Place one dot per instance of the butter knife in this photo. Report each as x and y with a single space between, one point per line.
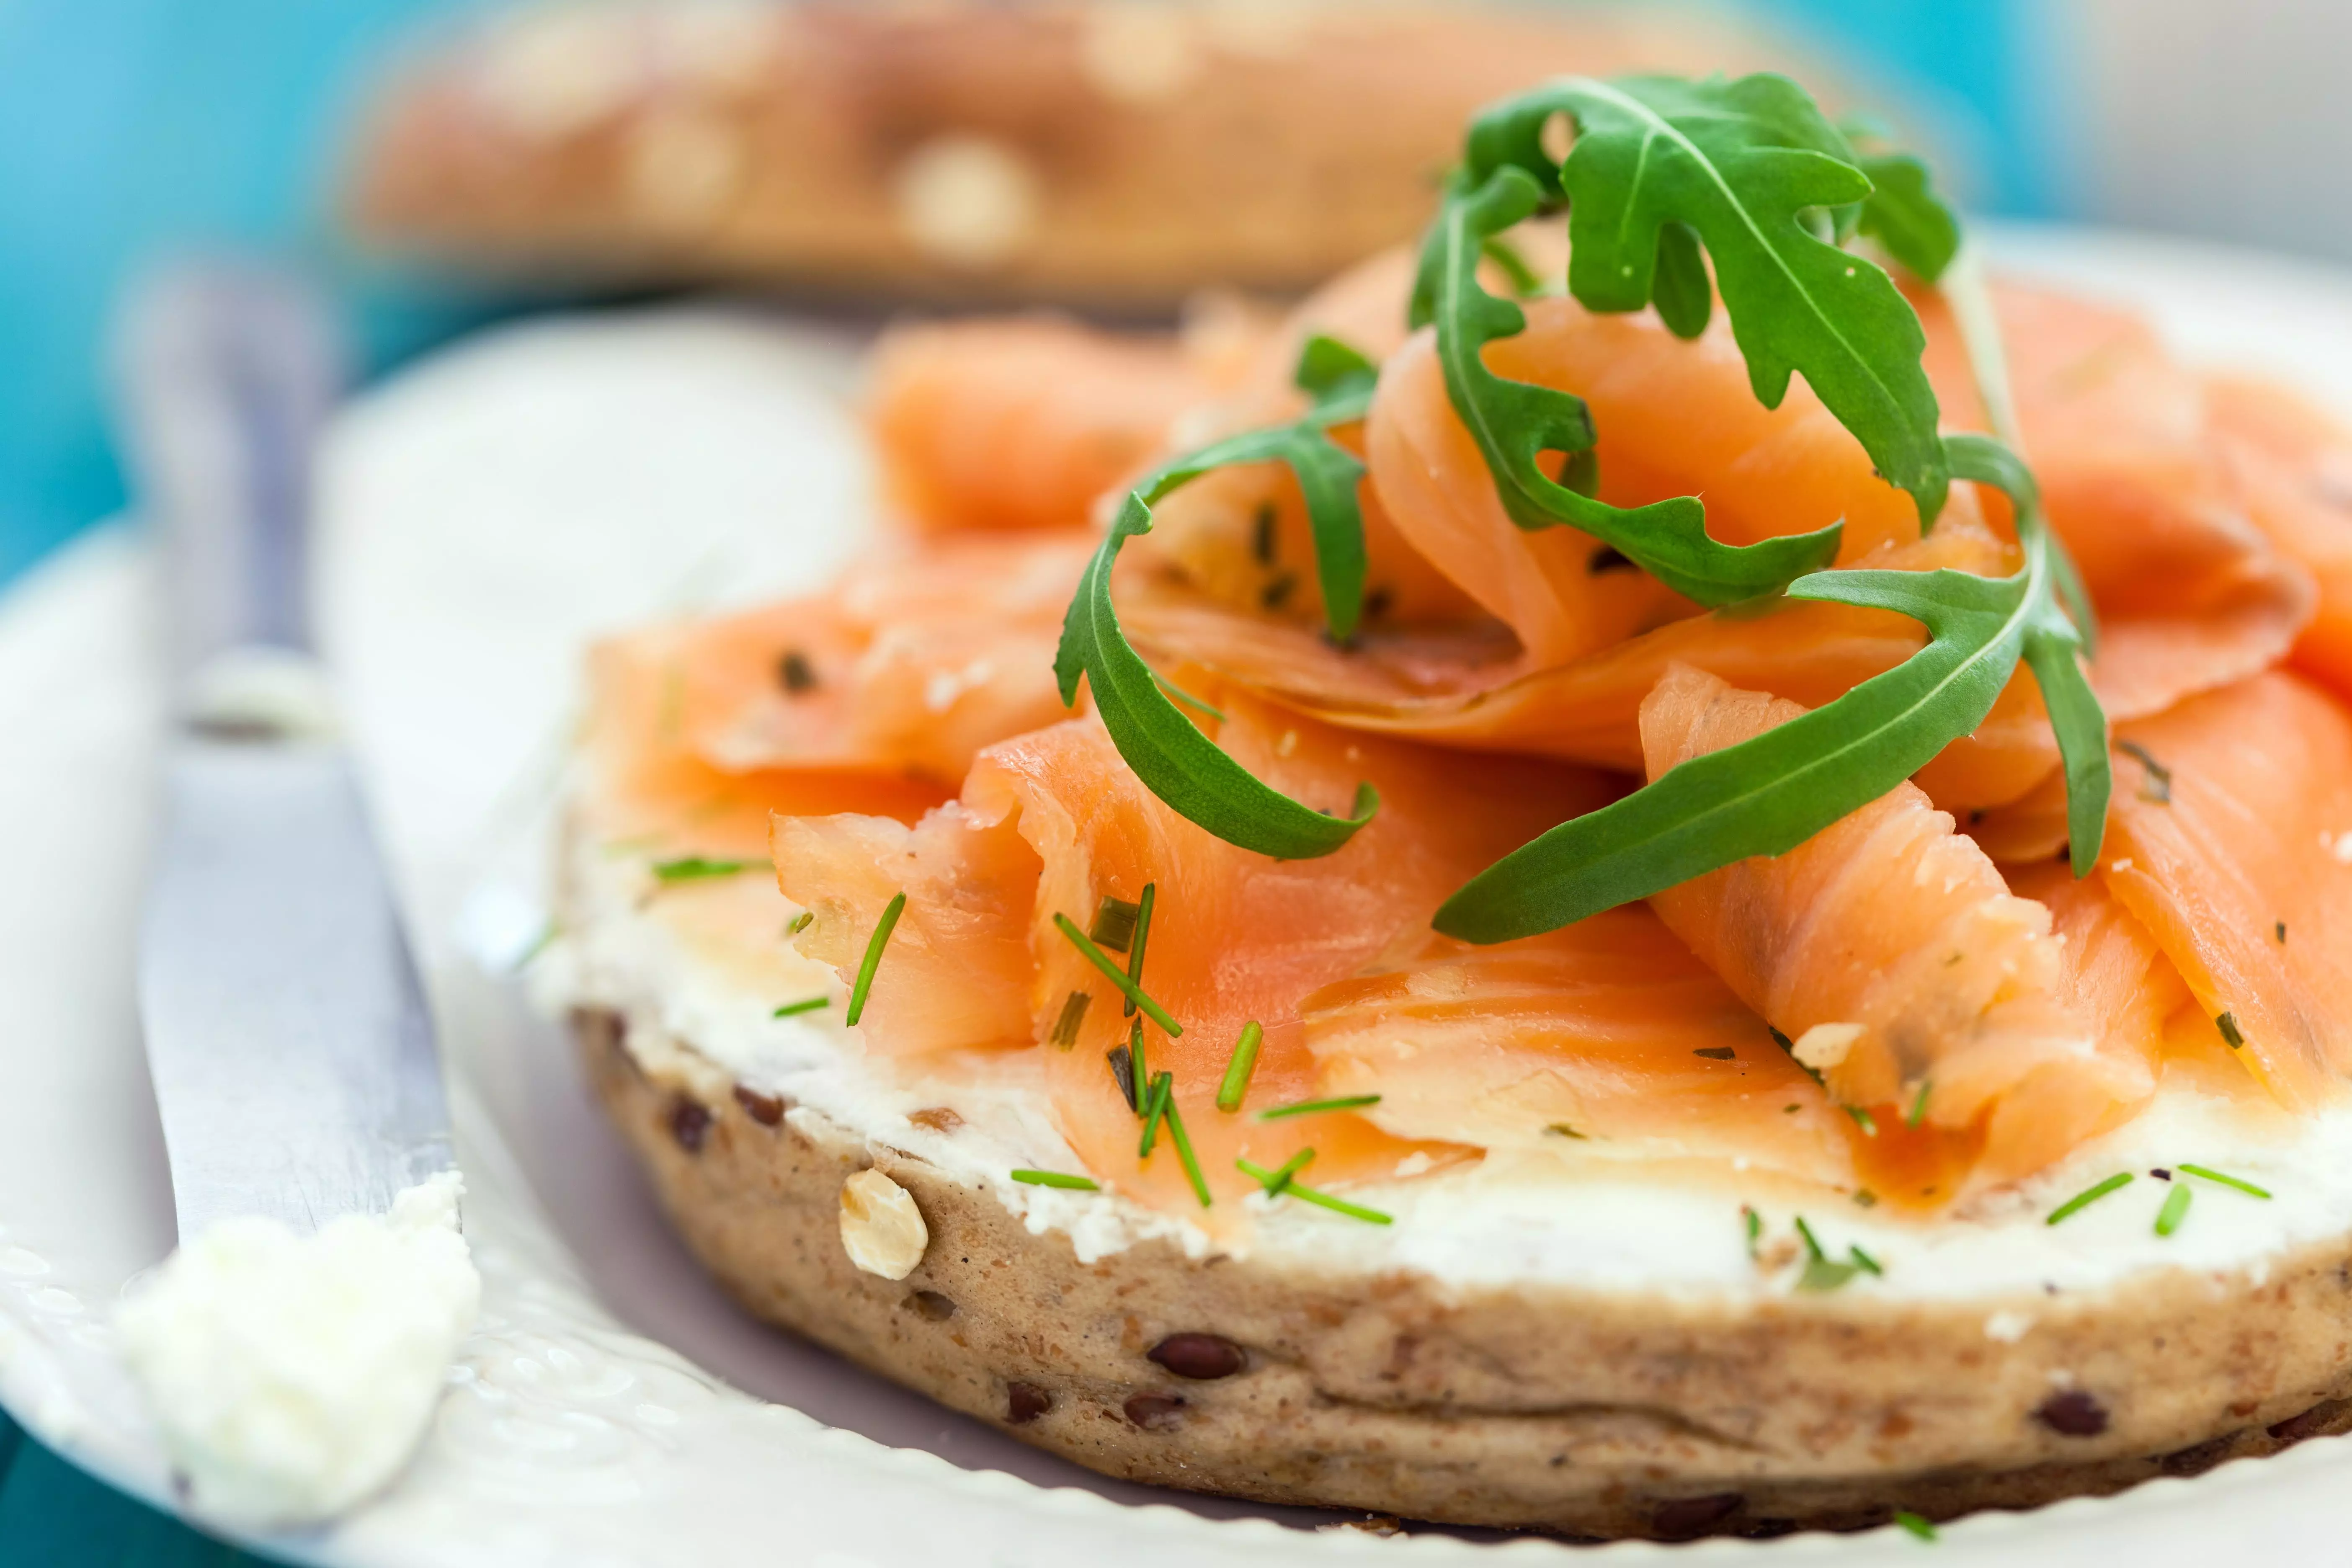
292 1056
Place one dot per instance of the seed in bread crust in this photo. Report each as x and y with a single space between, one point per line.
881 1228
764 1109
1024 1402
689 1123
1201 1357
1155 1412
2313 1423
1686 1517
967 201
2073 1413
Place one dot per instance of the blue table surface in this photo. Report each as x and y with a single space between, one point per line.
131 128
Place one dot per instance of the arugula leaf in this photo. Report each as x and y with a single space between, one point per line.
1745 165
1903 211
1769 794
1516 422
1168 754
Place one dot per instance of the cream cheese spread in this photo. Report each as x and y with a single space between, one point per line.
291 1376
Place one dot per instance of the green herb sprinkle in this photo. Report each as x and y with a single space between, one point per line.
2088 1197
1055 1179
1236 1086
872 959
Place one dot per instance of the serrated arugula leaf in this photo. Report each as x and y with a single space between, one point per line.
1167 750
1768 795
1747 166
1904 213
1516 422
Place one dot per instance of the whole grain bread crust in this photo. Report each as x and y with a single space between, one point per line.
1581 1413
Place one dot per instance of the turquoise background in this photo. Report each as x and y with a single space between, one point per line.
134 128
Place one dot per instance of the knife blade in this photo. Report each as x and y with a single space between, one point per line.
291 1052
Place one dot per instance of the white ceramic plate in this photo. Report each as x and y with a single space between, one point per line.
486 514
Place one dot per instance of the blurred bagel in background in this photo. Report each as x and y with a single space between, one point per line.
1115 152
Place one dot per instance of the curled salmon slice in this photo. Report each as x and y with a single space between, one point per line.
911 664
955 967
1235 937
2290 463
1608 1036
1889 951
1020 423
2191 596
2237 858
1241 535
1054 822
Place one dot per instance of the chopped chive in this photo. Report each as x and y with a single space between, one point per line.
1304 1193
1865 1261
1754 1223
1317 1107
1278 592
2282 931
1812 1244
1118 976
1114 925
2175 1209
1238 1071
2158 785
872 959
2088 1197
2228 1024
1919 1106
1861 1119
695 868
1135 954
1135 1054
1864 1198
1176 1134
1563 1130
1290 1167
2211 1175
1056 1179
799 923
798 674
1914 1524
1073 1013
1821 1276
1071 1018
807 1004
1262 535
1122 1073
1156 1102
1179 694
1717 1053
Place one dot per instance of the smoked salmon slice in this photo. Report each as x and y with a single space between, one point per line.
1890 951
2237 858
906 669
1020 423
1233 938
1608 1035
2292 466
